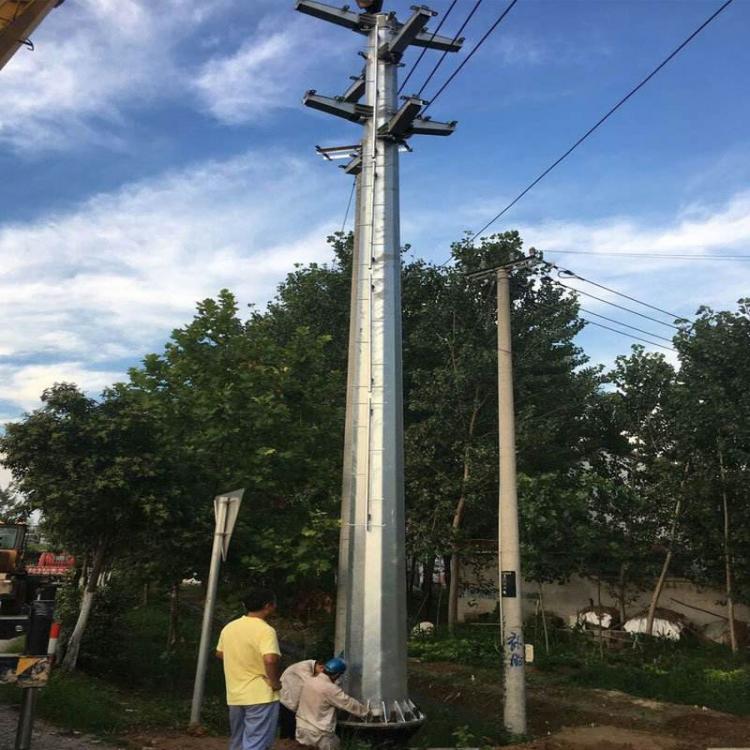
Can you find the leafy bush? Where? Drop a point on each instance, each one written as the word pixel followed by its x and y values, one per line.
pixel 466 648
pixel 102 646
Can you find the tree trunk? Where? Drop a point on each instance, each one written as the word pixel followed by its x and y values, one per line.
pixel 458 517
pixel 544 618
pixel 174 614
pixel 727 557
pixel 622 590
pixel 599 616
pixel 146 592
pixel 428 571
pixel 668 557
pixel 453 590
pixel 74 642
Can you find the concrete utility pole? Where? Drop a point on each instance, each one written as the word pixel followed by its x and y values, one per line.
pixel 226 508
pixel 371 622
pixel 509 548
pixel 509 557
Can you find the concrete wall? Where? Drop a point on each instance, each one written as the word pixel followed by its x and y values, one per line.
pixel 567 599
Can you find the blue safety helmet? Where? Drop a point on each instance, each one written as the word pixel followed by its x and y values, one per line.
pixel 335 667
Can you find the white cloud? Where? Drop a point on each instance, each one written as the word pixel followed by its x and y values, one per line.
pixel 97 60
pixel 93 58
pixel 248 84
pixel 24 385
pixel 267 72
pixel 111 278
pixel 676 284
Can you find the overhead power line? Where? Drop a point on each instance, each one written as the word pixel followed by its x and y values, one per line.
pixel 626 325
pixel 424 49
pixel 573 275
pixel 620 307
pixel 603 119
pixel 468 57
pixel 629 335
pixel 445 52
pixel 660 256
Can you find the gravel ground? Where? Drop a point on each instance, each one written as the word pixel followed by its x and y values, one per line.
pixel 45 737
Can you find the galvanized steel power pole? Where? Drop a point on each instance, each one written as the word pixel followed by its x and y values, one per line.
pixel 371 623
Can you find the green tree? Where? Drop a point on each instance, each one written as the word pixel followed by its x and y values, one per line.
pixel 12 507
pixel 452 399
pixel 713 417
pixel 241 405
pixel 93 469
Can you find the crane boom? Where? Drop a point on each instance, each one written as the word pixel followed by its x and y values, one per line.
pixel 18 19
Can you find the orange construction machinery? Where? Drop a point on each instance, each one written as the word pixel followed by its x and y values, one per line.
pixel 18 19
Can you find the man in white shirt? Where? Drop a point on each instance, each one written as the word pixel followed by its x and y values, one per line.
pixel 292 679
pixel 316 712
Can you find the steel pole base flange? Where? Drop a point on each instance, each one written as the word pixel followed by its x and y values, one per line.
pixel 397 717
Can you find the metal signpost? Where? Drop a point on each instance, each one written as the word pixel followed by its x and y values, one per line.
pixel 226 508
pixel 371 624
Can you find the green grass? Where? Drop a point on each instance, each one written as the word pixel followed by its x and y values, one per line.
pixel 132 683
pixel 685 672
pixel 704 676
pixel 87 704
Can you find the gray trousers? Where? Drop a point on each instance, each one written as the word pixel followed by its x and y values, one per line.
pixel 253 727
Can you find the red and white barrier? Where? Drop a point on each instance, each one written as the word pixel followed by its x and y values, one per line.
pixel 54 634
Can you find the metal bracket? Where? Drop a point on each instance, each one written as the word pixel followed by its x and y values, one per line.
pixel 356 90
pixel 406 34
pixel 339 16
pixel 354 167
pixel 336 106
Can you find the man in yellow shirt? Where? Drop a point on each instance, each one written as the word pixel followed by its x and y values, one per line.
pixel 250 651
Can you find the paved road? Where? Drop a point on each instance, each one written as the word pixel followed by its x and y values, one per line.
pixel 45 736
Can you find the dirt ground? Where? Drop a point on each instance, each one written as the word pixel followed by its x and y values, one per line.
pixel 561 717
pixel 45 736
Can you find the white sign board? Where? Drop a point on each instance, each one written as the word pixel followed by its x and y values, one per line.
pixel 231 501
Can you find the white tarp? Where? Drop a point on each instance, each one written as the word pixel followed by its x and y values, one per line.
pixel 589 617
pixel 662 628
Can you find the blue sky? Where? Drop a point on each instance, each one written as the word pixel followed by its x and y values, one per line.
pixel 153 153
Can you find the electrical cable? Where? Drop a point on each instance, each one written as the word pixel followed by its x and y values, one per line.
pixel 661 256
pixel 614 304
pixel 571 274
pixel 611 320
pixel 445 52
pixel 616 322
pixel 626 325
pixel 424 49
pixel 603 119
pixel 629 335
pixel 348 206
pixel 476 47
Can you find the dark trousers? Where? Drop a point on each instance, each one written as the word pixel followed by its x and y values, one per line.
pixel 287 723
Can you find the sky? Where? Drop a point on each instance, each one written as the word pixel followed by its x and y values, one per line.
pixel 152 154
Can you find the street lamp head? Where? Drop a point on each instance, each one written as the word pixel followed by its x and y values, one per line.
pixel 371 6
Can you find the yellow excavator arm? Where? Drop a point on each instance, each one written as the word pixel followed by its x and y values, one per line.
pixel 18 19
